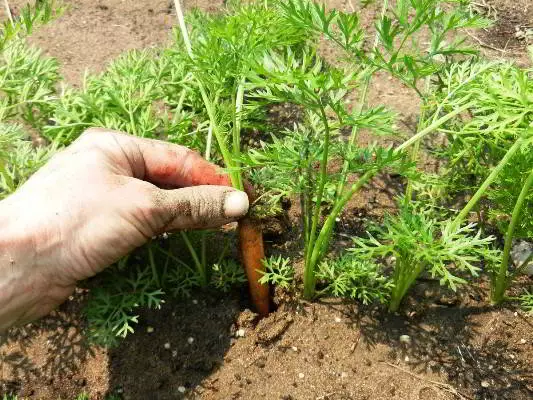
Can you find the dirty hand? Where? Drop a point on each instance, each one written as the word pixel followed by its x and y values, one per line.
pixel 94 202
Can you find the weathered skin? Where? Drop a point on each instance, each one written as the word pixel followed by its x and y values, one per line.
pixel 93 203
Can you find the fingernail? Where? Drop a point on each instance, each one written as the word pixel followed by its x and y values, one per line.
pixel 235 204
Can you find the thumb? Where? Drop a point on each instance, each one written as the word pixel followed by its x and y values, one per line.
pixel 199 207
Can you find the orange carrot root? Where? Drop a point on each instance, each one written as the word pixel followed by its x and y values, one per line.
pixel 252 253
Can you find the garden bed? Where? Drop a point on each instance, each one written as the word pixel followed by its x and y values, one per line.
pixel 441 345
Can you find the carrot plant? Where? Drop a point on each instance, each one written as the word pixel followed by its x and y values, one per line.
pixel 418 243
pixel 301 161
pixel 489 156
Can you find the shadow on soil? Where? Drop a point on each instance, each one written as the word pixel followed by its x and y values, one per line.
pixel 445 338
pixel 63 346
pixel 187 344
pixel 177 346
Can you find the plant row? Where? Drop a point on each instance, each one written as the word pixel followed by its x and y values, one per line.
pixel 216 89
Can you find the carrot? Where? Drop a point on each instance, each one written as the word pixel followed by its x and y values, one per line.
pixel 250 238
pixel 252 255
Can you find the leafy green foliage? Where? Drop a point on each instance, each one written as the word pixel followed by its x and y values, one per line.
pixel 27 92
pixel 18 158
pixel 420 244
pixel 358 279
pixel 227 275
pixel 140 93
pixel 500 116
pixel 218 85
pixel 497 131
pixel 110 309
pixel 278 271
pixel 506 191
pixel 42 12
pixel 27 83
pixel 299 161
pixel 526 301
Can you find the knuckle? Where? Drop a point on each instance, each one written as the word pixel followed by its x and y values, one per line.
pixel 205 205
pixel 152 211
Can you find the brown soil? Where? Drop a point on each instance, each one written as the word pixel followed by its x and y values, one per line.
pixel 509 36
pixel 459 348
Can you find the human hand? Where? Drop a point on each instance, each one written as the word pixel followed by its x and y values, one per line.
pixel 94 202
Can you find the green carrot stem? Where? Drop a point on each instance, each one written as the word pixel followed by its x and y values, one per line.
pixel 153 267
pixel 226 155
pixel 199 267
pixel 318 248
pixel 434 125
pixel 322 181
pixel 361 105
pixel 501 279
pixel 484 186
pixel 183 28
pixel 416 148
pixel 236 133
pixel 324 235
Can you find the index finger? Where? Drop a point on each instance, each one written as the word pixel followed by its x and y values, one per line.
pixel 166 164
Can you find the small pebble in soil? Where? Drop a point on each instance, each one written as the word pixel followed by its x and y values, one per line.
pixel 166 345
pixel 406 359
pixel 405 339
pixel 338 319
pixel 240 333
pixel 190 340
pixel 295 349
pixel 485 384
pixel 523 341
pixel 182 389
pixel 194 301
pixel 150 329
pixel 301 375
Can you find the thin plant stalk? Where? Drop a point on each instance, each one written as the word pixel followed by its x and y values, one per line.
pixel 322 181
pixel 236 132
pixel 416 148
pixel 501 280
pixel 361 105
pixel 8 12
pixel 434 125
pixel 403 283
pixel 485 185
pixel 202 271
pixel 153 267
pixel 320 245
pixel 226 155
